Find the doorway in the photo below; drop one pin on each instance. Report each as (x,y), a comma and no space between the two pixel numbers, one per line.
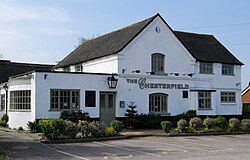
(107,107)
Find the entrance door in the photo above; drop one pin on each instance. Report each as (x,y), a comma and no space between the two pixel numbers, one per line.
(107,107)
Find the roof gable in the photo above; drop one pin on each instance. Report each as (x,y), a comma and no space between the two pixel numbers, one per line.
(205,48)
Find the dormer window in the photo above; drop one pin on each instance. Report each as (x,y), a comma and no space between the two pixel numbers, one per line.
(157,63)
(227,69)
(78,68)
(206,68)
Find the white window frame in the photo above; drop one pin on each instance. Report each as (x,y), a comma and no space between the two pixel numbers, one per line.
(20,100)
(64,99)
(158,63)
(2,102)
(204,100)
(227,69)
(158,103)
(206,68)
(227,97)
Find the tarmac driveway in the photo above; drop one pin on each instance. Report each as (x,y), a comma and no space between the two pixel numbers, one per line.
(230,147)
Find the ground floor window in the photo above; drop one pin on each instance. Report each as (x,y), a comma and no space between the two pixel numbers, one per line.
(64,99)
(227,97)
(2,101)
(158,103)
(204,100)
(20,100)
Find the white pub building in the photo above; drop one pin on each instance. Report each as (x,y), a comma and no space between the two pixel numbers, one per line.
(163,71)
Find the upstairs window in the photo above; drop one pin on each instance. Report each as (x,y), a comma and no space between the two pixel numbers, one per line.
(206,68)
(157,62)
(78,68)
(227,69)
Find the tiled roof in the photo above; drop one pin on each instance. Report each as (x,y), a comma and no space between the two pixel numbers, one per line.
(201,47)
(8,69)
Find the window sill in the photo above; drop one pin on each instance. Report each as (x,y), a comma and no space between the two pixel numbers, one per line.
(19,110)
(228,74)
(228,103)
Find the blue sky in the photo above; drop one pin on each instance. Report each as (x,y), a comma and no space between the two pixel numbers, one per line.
(46,31)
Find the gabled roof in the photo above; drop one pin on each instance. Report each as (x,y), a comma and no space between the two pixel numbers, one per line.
(202,47)
(8,69)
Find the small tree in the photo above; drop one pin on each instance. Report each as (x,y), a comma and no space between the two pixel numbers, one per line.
(131,111)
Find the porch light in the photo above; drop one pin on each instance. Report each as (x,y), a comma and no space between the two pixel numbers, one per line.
(5,87)
(112,81)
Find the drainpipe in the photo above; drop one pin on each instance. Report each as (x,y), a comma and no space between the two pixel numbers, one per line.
(6,97)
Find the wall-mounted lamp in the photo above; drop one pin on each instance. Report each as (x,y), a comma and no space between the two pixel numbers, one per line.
(112,81)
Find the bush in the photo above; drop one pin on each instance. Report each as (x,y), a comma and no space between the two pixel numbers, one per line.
(187,116)
(190,129)
(53,128)
(221,123)
(117,125)
(5,118)
(3,123)
(191,113)
(167,126)
(74,116)
(209,123)
(234,124)
(148,121)
(111,131)
(70,129)
(245,124)
(181,125)
(195,123)
(91,129)
(33,127)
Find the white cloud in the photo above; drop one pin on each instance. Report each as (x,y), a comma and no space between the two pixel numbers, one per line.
(14,11)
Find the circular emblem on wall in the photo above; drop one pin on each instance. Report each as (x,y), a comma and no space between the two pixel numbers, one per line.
(158,29)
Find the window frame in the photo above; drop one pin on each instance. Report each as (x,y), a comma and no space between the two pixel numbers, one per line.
(162,98)
(3,102)
(228,97)
(227,69)
(206,68)
(20,100)
(204,100)
(158,63)
(89,93)
(64,99)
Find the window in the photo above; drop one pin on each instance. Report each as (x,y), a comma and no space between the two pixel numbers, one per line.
(64,99)
(20,100)
(2,101)
(90,98)
(158,103)
(227,97)
(157,63)
(78,68)
(67,69)
(184,94)
(227,69)
(206,68)
(204,100)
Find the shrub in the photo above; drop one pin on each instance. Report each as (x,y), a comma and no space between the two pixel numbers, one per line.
(111,131)
(70,129)
(187,116)
(234,124)
(190,129)
(221,123)
(74,116)
(117,125)
(245,123)
(5,118)
(91,129)
(148,121)
(209,122)
(181,125)
(191,113)
(195,123)
(33,127)
(3,123)
(167,126)
(53,128)
(20,129)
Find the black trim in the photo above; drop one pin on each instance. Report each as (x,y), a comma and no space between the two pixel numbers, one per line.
(202,90)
